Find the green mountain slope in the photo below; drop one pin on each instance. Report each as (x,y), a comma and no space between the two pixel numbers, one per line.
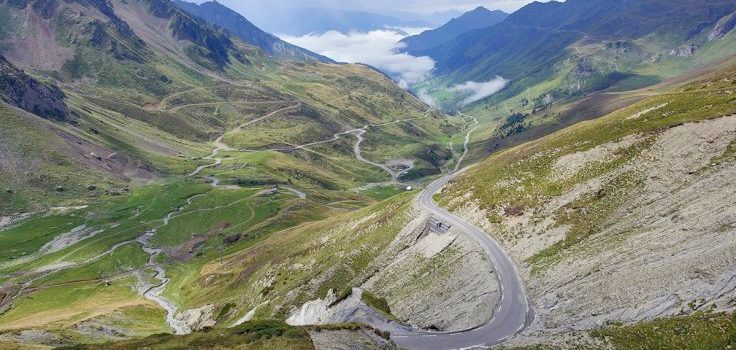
(151,85)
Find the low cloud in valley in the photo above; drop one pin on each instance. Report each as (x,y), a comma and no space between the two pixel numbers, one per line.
(479,90)
(377,48)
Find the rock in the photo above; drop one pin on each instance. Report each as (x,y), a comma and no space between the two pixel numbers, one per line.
(23,91)
(8,190)
(350,339)
(59,189)
(670,242)
(685,50)
(232,239)
(462,292)
(91,188)
(199,318)
(724,26)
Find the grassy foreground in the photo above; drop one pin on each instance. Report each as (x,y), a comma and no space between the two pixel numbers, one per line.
(259,335)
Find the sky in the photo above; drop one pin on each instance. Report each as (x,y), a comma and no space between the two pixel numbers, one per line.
(380,6)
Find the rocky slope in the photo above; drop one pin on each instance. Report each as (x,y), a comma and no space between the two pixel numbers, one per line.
(429,280)
(624,219)
(23,91)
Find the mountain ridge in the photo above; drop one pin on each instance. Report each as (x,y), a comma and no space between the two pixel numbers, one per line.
(316,20)
(220,15)
(478,18)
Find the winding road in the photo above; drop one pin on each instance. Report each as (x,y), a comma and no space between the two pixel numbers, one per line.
(221,146)
(358,133)
(513,312)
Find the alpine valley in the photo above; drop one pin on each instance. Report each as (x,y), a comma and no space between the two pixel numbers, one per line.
(174,177)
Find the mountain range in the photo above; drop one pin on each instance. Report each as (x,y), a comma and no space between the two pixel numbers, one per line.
(555,52)
(215,13)
(427,40)
(299,21)
(173,177)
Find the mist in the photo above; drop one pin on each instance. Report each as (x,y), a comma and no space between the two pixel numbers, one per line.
(377,48)
(479,90)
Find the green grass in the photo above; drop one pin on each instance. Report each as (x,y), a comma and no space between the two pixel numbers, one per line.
(334,251)
(346,293)
(257,335)
(382,192)
(121,261)
(700,331)
(36,161)
(377,303)
(159,117)
(62,305)
(31,235)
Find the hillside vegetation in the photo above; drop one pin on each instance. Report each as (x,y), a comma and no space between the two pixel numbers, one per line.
(154,170)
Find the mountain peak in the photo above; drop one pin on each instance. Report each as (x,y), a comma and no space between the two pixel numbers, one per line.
(480,17)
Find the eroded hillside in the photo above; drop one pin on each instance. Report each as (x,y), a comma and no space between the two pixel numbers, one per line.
(625,219)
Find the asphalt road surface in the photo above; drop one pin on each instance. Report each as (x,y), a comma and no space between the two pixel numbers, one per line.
(513,311)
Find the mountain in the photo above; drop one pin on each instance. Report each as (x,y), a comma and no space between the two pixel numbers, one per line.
(550,28)
(307,20)
(141,144)
(166,184)
(554,52)
(476,19)
(220,15)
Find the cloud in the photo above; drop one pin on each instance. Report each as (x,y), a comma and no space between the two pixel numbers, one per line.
(427,98)
(477,91)
(377,48)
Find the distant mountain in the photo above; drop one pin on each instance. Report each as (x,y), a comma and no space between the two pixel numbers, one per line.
(561,50)
(220,15)
(539,32)
(476,19)
(307,20)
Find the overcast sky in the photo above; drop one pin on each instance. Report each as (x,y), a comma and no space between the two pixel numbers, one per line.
(382,6)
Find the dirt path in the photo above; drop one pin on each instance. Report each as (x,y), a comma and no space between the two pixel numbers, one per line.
(358,133)
(358,154)
(466,149)
(220,145)
(220,103)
